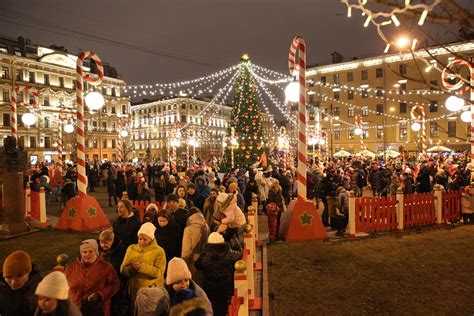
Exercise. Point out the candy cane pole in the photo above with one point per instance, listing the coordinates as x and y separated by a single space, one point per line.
119 141
13 108
60 136
232 147
421 116
81 160
298 46
445 75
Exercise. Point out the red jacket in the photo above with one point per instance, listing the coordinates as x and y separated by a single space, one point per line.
86 279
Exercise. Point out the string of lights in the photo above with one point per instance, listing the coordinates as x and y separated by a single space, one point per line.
380 90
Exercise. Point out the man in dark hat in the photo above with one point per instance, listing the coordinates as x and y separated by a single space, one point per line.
180 215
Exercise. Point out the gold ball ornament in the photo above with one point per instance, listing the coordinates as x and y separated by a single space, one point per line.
240 266
62 259
247 228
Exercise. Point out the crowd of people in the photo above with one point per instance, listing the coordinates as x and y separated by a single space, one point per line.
180 258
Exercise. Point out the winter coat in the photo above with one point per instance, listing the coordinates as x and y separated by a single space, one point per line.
152 270
204 189
132 190
170 239
87 278
198 291
277 198
197 200
64 308
189 307
233 216
120 185
217 263
208 210
111 186
180 216
22 301
194 237
125 230
250 188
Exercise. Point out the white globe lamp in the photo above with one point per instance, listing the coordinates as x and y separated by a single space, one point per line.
358 131
292 92
415 127
69 128
28 119
454 103
322 142
466 116
124 133
94 100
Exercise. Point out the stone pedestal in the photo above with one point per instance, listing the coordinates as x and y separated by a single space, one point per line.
14 208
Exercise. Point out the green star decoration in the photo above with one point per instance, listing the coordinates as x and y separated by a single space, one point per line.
71 212
92 211
306 219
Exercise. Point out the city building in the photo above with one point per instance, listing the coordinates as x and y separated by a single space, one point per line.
383 90
156 124
52 73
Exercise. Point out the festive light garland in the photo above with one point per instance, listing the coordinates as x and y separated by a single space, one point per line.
380 90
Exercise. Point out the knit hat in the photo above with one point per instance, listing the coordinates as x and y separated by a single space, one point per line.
16 264
172 197
222 197
150 206
90 243
177 271
233 186
215 238
54 285
192 186
147 229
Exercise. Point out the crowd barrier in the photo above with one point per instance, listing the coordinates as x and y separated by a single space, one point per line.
245 299
35 205
373 214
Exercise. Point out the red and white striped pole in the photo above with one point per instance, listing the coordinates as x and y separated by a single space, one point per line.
358 123
13 108
119 141
462 86
421 116
60 136
81 156
298 46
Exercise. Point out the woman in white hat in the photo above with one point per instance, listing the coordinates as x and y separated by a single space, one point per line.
53 297
144 263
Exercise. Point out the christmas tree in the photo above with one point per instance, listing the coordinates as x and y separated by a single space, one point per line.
245 118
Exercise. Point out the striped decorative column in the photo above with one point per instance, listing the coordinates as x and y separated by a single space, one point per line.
81 160
358 123
298 47
119 141
60 136
13 108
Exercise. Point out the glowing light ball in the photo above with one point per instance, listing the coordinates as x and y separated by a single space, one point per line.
123 133
69 128
454 103
94 100
292 92
28 119
358 131
415 127
466 116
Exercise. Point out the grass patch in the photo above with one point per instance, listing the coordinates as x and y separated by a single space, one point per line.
419 274
45 245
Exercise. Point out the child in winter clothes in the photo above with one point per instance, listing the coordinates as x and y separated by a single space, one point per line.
229 215
168 235
144 263
178 278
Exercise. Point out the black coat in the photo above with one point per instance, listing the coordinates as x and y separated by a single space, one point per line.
180 216
125 231
120 185
22 301
170 239
197 199
217 264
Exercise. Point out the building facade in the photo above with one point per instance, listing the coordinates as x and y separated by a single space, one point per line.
156 124
383 90
51 72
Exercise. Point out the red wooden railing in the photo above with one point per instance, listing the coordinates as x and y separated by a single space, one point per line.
140 206
419 209
451 203
375 214
235 303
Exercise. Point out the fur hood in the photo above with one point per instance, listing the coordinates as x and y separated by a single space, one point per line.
192 305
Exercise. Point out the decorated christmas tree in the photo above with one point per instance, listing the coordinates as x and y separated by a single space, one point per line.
245 118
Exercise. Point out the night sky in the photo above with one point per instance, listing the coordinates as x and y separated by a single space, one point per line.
163 41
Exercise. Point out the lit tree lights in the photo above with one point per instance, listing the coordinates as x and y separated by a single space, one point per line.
245 118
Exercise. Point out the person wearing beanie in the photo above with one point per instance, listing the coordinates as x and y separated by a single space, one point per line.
169 235
178 277
125 228
217 265
92 280
231 217
179 214
201 187
18 282
234 189
194 196
144 263
53 296
150 214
